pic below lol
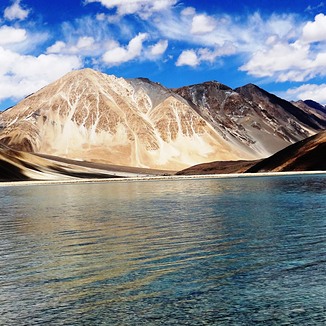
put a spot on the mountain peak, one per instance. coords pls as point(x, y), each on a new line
point(212, 84)
point(249, 89)
point(315, 105)
point(97, 117)
point(86, 72)
point(93, 116)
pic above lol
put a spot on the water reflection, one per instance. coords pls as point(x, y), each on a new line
point(177, 252)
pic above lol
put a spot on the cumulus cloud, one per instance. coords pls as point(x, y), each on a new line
point(57, 47)
point(23, 67)
point(85, 42)
point(280, 46)
point(10, 35)
point(286, 59)
point(21, 75)
point(315, 31)
point(194, 58)
point(202, 24)
point(188, 58)
point(119, 54)
point(307, 92)
point(15, 11)
point(280, 58)
point(143, 8)
point(159, 48)
point(244, 35)
point(84, 45)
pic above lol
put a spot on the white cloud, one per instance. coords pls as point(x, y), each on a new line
point(287, 62)
point(246, 34)
point(15, 11)
point(280, 58)
point(10, 35)
point(193, 58)
point(292, 56)
point(21, 75)
point(202, 24)
point(189, 11)
point(118, 54)
point(143, 8)
point(188, 58)
point(206, 54)
point(308, 92)
point(159, 48)
point(57, 47)
point(315, 31)
point(85, 42)
point(83, 46)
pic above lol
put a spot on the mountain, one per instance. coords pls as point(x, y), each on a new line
point(250, 117)
point(314, 109)
point(306, 155)
point(279, 107)
point(218, 167)
point(90, 116)
point(315, 105)
point(93, 116)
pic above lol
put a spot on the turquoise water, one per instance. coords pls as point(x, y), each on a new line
point(249, 251)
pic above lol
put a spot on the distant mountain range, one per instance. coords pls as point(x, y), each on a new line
point(94, 117)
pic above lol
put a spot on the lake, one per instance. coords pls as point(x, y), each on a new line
point(244, 251)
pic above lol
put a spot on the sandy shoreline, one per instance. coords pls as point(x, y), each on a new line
point(158, 178)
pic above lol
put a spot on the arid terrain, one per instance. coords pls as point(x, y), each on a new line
point(306, 155)
point(89, 124)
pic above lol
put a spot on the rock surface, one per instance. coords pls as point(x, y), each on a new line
point(251, 117)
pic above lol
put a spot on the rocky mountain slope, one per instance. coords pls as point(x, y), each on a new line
point(92, 116)
point(218, 167)
point(314, 109)
point(306, 155)
point(251, 116)
point(87, 115)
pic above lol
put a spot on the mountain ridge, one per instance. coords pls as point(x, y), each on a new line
point(88, 115)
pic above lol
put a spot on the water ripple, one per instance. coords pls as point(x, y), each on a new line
point(192, 252)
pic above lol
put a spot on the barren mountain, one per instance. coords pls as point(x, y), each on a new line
point(90, 116)
point(218, 167)
point(279, 107)
point(93, 116)
point(306, 155)
point(314, 109)
point(247, 117)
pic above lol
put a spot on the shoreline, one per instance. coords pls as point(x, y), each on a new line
point(157, 178)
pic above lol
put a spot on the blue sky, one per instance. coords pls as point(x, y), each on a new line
point(280, 45)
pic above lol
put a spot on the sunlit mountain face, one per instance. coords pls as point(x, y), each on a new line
point(90, 116)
